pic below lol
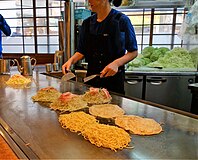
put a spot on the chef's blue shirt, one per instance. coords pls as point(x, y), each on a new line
point(128, 36)
point(103, 42)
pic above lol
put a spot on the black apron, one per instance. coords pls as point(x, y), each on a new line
point(103, 49)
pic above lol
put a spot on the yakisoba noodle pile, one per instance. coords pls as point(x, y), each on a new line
point(48, 94)
point(100, 135)
point(97, 96)
point(75, 121)
point(68, 102)
point(17, 79)
point(106, 136)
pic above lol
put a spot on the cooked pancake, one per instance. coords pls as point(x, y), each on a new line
point(48, 94)
point(138, 125)
point(76, 120)
point(97, 96)
point(106, 136)
point(69, 102)
point(106, 110)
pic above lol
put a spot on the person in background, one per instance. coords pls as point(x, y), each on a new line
point(107, 41)
point(17, 32)
point(5, 28)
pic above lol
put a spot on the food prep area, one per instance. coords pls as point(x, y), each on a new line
point(35, 128)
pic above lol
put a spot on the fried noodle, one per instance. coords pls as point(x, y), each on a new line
point(18, 79)
point(76, 120)
point(106, 136)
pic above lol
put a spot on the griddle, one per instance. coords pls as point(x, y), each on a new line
point(36, 130)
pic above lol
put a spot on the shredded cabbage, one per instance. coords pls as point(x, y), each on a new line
point(194, 54)
point(148, 51)
point(176, 58)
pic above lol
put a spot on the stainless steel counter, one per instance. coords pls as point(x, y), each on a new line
point(36, 130)
point(159, 72)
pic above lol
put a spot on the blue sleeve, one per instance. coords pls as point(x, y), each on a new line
point(130, 37)
point(4, 26)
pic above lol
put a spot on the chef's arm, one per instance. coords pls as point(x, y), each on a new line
point(126, 58)
point(112, 68)
point(67, 65)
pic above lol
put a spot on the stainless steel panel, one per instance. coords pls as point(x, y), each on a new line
point(38, 126)
point(133, 86)
point(171, 91)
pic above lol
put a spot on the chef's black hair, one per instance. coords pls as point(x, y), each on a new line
point(116, 3)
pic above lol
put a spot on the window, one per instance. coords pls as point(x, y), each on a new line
point(157, 27)
point(35, 21)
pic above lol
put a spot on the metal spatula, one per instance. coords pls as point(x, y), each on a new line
point(69, 75)
point(90, 77)
point(93, 76)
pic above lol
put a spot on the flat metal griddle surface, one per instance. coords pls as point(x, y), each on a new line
point(38, 126)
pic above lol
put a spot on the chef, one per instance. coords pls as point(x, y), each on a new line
point(107, 41)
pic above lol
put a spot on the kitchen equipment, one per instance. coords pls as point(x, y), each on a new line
point(90, 77)
point(69, 75)
point(48, 67)
point(80, 75)
point(93, 76)
point(27, 126)
point(166, 88)
point(58, 58)
point(133, 86)
point(26, 67)
point(55, 66)
point(171, 91)
point(194, 103)
point(5, 65)
point(84, 65)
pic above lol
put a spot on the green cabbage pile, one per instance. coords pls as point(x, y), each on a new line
point(148, 51)
point(137, 62)
point(176, 58)
point(149, 54)
point(194, 54)
point(165, 58)
point(158, 52)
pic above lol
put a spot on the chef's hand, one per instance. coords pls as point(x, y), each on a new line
point(76, 57)
point(110, 70)
point(66, 66)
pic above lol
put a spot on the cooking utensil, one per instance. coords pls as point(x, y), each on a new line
point(69, 75)
point(26, 68)
point(55, 66)
point(5, 65)
point(58, 58)
point(48, 67)
point(93, 76)
point(84, 65)
point(90, 77)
